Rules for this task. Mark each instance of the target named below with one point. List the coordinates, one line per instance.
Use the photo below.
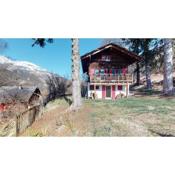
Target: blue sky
(55, 57)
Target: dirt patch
(48, 122)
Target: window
(102, 71)
(96, 71)
(120, 87)
(91, 87)
(97, 87)
(106, 58)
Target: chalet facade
(107, 69)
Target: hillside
(134, 116)
(23, 73)
(156, 77)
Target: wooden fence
(16, 125)
(26, 118)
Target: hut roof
(10, 94)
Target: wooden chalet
(107, 71)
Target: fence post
(17, 125)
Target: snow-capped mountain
(22, 64)
(15, 73)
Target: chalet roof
(14, 93)
(115, 46)
(128, 54)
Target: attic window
(106, 58)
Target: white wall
(118, 91)
(99, 92)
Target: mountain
(22, 64)
(23, 73)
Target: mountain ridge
(24, 73)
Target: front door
(108, 91)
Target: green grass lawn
(139, 105)
(143, 116)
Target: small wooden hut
(14, 100)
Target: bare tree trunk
(76, 87)
(168, 67)
(138, 74)
(148, 74)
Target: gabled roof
(129, 57)
(116, 47)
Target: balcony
(112, 78)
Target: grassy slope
(143, 116)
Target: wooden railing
(112, 78)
